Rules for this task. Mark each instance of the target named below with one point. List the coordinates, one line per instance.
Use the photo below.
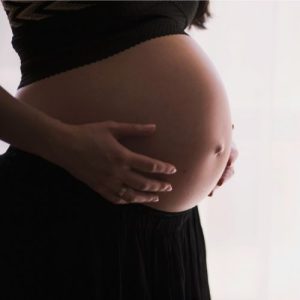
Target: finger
(141, 183)
(233, 153)
(226, 175)
(139, 197)
(133, 196)
(111, 197)
(147, 164)
(127, 129)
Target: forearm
(29, 129)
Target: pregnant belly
(169, 81)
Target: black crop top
(54, 36)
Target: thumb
(127, 129)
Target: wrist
(56, 137)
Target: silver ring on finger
(122, 192)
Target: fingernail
(172, 171)
(169, 188)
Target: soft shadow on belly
(168, 81)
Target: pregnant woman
(93, 74)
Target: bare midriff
(169, 81)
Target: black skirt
(61, 240)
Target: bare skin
(169, 81)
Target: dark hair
(201, 15)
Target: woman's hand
(92, 154)
(229, 171)
(89, 152)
